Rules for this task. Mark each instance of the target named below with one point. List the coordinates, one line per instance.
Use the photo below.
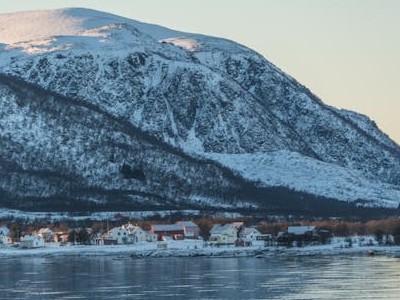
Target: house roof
(45, 230)
(187, 223)
(30, 237)
(221, 228)
(249, 230)
(167, 227)
(132, 228)
(116, 229)
(237, 224)
(299, 230)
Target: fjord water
(331, 277)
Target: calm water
(200, 278)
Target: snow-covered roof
(116, 229)
(298, 230)
(31, 237)
(167, 227)
(249, 230)
(221, 228)
(45, 230)
(187, 223)
(131, 227)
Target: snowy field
(96, 216)
(291, 169)
(193, 248)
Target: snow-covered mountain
(101, 111)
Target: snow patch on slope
(36, 25)
(74, 25)
(184, 43)
(290, 169)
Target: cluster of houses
(125, 234)
(234, 234)
(131, 234)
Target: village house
(3, 240)
(135, 233)
(4, 231)
(119, 235)
(98, 240)
(47, 234)
(4, 236)
(267, 239)
(223, 234)
(31, 241)
(249, 234)
(191, 229)
(60, 237)
(298, 236)
(177, 232)
(238, 225)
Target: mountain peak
(96, 107)
(37, 32)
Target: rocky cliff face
(101, 111)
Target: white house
(223, 234)
(191, 229)
(31, 241)
(4, 236)
(300, 230)
(249, 234)
(120, 234)
(4, 231)
(135, 233)
(47, 234)
(3, 240)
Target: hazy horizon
(346, 52)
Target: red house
(177, 232)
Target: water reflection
(200, 278)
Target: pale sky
(346, 51)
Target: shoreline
(150, 251)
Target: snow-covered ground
(192, 248)
(97, 216)
(293, 170)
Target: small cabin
(31, 241)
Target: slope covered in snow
(290, 169)
(144, 112)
